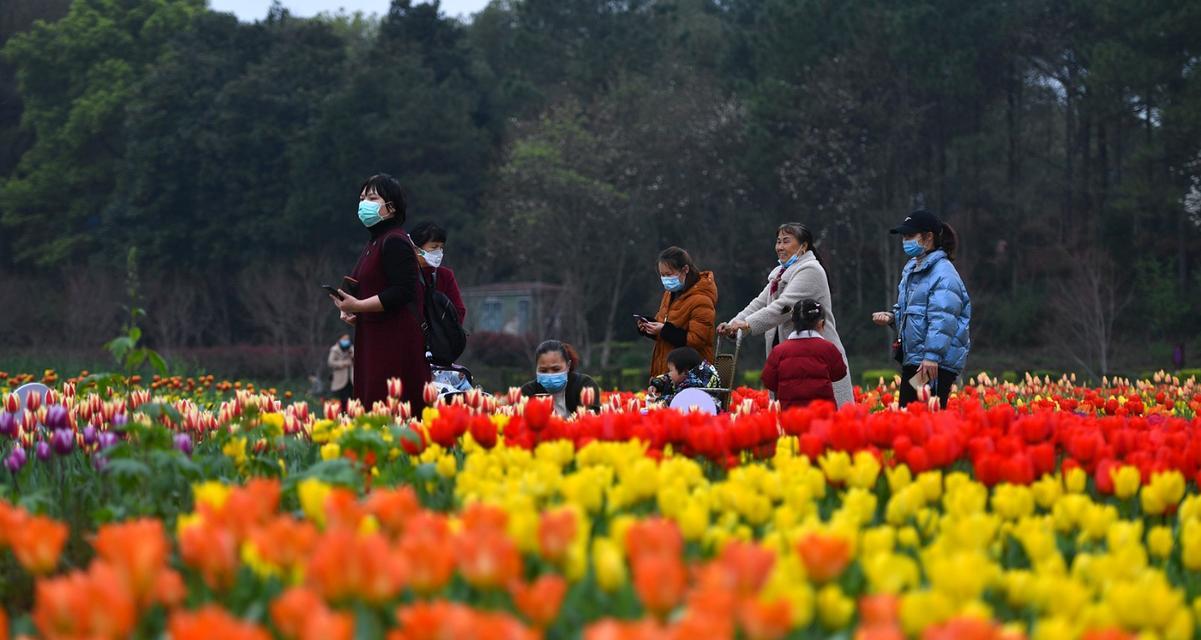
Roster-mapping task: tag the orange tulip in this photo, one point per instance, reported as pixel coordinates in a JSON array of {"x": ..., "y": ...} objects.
[
  {"x": 825, "y": 556},
  {"x": 654, "y": 536},
  {"x": 212, "y": 622},
  {"x": 880, "y": 609},
  {"x": 746, "y": 566},
  {"x": 37, "y": 542},
  {"x": 487, "y": 559},
  {"x": 540, "y": 600},
  {"x": 342, "y": 509},
  {"x": 556, "y": 531},
  {"x": 138, "y": 551},
  {"x": 11, "y": 519},
  {"x": 764, "y": 620},
  {"x": 963, "y": 629},
  {"x": 440, "y": 619},
  {"x": 393, "y": 508},
  {"x": 610, "y": 629},
  {"x": 290, "y": 611},
  {"x": 3, "y": 624},
  {"x": 301, "y": 614},
  {"x": 348, "y": 565},
  {"x": 94, "y": 604},
  {"x": 660, "y": 581},
  {"x": 246, "y": 507},
  {"x": 480, "y": 517},
  {"x": 285, "y": 542},
  {"x": 879, "y": 632},
  {"x": 212, "y": 550},
  {"x": 426, "y": 548}
]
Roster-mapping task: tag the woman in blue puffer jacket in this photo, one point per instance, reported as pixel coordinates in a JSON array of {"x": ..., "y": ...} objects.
[{"x": 933, "y": 311}]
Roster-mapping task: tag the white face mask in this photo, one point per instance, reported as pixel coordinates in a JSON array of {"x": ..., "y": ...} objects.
[{"x": 432, "y": 258}]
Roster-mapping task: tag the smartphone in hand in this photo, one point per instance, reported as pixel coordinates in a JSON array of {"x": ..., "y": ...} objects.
[{"x": 332, "y": 291}]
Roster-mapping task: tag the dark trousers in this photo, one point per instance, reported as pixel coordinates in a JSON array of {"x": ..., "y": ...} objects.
[
  {"x": 941, "y": 387},
  {"x": 343, "y": 394}
]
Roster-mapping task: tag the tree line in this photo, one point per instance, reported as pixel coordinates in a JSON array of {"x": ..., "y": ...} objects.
[{"x": 569, "y": 140}]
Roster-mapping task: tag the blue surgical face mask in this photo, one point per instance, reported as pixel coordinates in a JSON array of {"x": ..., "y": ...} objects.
[
  {"x": 369, "y": 213},
  {"x": 672, "y": 283},
  {"x": 913, "y": 248},
  {"x": 553, "y": 382},
  {"x": 345, "y": 344},
  {"x": 789, "y": 262}
]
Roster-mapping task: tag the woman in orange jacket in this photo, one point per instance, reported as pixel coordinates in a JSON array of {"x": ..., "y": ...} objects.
[{"x": 687, "y": 313}]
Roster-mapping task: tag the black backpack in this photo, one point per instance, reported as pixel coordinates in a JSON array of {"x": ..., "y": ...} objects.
[{"x": 445, "y": 338}]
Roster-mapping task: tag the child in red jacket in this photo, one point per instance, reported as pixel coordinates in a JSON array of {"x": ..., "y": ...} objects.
[{"x": 804, "y": 367}]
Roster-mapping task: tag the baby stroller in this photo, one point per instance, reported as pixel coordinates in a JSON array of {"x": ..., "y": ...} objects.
[
  {"x": 727, "y": 369},
  {"x": 451, "y": 380}
]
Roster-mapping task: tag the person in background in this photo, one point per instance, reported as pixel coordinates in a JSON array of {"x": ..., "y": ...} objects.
[
  {"x": 384, "y": 301},
  {"x": 800, "y": 275},
  {"x": 341, "y": 366},
  {"x": 557, "y": 376},
  {"x": 686, "y": 312},
  {"x": 803, "y": 368},
  {"x": 933, "y": 312},
  {"x": 430, "y": 241},
  {"x": 686, "y": 369}
]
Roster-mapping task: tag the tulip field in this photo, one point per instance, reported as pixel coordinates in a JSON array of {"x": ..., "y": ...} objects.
[{"x": 193, "y": 508}]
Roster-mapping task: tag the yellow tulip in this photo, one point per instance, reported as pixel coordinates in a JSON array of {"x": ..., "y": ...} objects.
[
  {"x": 1055, "y": 628},
  {"x": 313, "y": 493},
  {"x": 1047, "y": 491},
  {"x": 864, "y": 472},
  {"x": 931, "y": 484},
  {"x": 331, "y": 451},
  {"x": 210, "y": 492},
  {"x": 693, "y": 520},
  {"x": 1075, "y": 480},
  {"x": 1160, "y": 542},
  {"x": 1012, "y": 502},
  {"x": 890, "y": 573},
  {"x": 834, "y": 608},
  {"x": 1125, "y": 481},
  {"x": 836, "y": 465},
  {"x": 609, "y": 564},
  {"x": 923, "y": 609},
  {"x": 898, "y": 478}
]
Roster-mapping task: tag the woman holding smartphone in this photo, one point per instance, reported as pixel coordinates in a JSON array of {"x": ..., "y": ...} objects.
[
  {"x": 686, "y": 311},
  {"x": 384, "y": 303}
]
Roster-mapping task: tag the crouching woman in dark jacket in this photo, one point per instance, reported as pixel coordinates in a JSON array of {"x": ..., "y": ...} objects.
[
  {"x": 557, "y": 377},
  {"x": 804, "y": 367}
]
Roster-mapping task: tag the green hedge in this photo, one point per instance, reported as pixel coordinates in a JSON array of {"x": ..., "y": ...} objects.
[{"x": 871, "y": 377}]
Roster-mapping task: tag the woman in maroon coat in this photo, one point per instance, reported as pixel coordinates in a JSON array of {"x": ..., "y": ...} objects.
[
  {"x": 384, "y": 300},
  {"x": 430, "y": 240},
  {"x": 804, "y": 367}
]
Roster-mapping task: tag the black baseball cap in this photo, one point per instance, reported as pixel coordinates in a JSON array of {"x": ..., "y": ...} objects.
[{"x": 920, "y": 221}]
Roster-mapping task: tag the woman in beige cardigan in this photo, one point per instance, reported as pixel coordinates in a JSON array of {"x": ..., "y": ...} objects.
[{"x": 799, "y": 276}]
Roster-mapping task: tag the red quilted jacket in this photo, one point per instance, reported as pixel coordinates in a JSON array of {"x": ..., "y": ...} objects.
[{"x": 801, "y": 370}]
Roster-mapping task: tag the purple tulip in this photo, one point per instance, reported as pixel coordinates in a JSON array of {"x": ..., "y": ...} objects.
[
  {"x": 15, "y": 460},
  {"x": 63, "y": 441},
  {"x": 8, "y": 424},
  {"x": 183, "y": 442},
  {"x": 107, "y": 439},
  {"x": 89, "y": 435},
  {"x": 99, "y": 463},
  {"x": 42, "y": 450},
  {"x": 119, "y": 420},
  {"x": 56, "y": 417}
]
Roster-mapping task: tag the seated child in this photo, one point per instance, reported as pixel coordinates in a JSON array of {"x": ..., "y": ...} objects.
[
  {"x": 804, "y": 367},
  {"x": 686, "y": 369}
]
